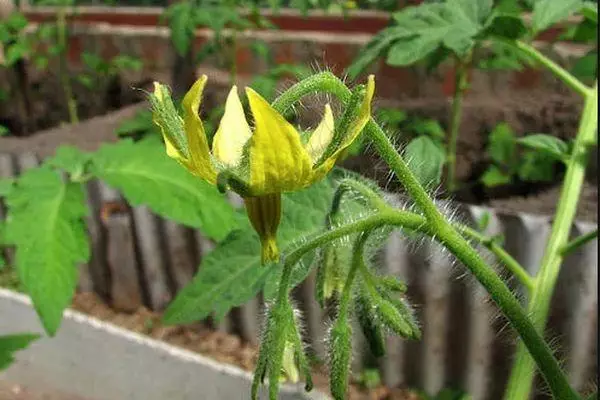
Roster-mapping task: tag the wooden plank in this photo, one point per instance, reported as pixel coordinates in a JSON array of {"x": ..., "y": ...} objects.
[
  {"x": 125, "y": 289},
  {"x": 151, "y": 258}
]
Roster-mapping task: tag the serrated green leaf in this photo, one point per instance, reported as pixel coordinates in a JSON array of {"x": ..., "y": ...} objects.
[
  {"x": 147, "y": 176},
  {"x": 537, "y": 167},
  {"x": 506, "y": 26},
  {"x": 232, "y": 273},
  {"x": 45, "y": 224},
  {"x": 426, "y": 160},
  {"x": 182, "y": 23},
  {"x": 546, "y": 143},
  {"x": 502, "y": 145},
  {"x": 69, "y": 159},
  {"x": 494, "y": 176},
  {"x": 548, "y": 12},
  {"x": 10, "y": 344},
  {"x": 375, "y": 48},
  {"x": 453, "y": 24}
]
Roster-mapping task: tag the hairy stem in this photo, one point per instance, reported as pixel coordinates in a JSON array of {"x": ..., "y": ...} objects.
[
  {"x": 509, "y": 262},
  {"x": 445, "y": 233},
  {"x": 521, "y": 379}
]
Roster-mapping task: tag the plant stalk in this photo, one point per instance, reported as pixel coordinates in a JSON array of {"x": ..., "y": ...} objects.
[
  {"x": 445, "y": 233},
  {"x": 460, "y": 85},
  {"x": 521, "y": 379},
  {"x": 559, "y": 71},
  {"x": 61, "y": 24}
]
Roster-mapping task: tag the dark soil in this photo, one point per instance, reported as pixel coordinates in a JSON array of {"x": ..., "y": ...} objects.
[{"x": 46, "y": 102}]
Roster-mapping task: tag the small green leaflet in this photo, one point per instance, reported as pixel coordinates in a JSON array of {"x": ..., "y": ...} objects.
[
  {"x": 45, "y": 224},
  {"x": 141, "y": 122},
  {"x": 453, "y": 24},
  {"x": 69, "y": 159},
  {"x": 375, "y": 48},
  {"x": 502, "y": 145},
  {"x": 182, "y": 23},
  {"x": 494, "y": 176},
  {"x": 232, "y": 274},
  {"x": 146, "y": 175},
  {"x": 549, "y": 12},
  {"x": 425, "y": 159},
  {"x": 10, "y": 344},
  {"x": 548, "y": 144}
]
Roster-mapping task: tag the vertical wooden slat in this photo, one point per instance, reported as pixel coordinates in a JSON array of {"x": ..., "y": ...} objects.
[
  {"x": 98, "y": 267},
  {"x": 180, "y": 258},
  {"x": 151, "y": 257},
  {"x": 7, "y": 170},
  {"x": 576, "y": 303},
  {"x": 126, "y": 293},
  {"x": 435, "y": 313},
  {"x": 480, "y": 338}
]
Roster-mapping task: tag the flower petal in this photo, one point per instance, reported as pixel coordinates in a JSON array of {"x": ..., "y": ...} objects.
[
  {"x": 199, "y": 154},
  {"x": 322, "y": 136},
  {"x": 355, "y": 128},
  {"x": 278, "y": 160},
  {"x": 233, "y": 132}
]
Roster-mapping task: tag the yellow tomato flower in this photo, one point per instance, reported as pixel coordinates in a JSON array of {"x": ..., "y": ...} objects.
[{"x": 265, "y": 161}]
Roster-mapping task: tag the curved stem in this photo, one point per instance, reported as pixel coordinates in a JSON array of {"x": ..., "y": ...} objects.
[
  {"x": 576, "y": 243},
  {"x": 521, "y": 379},
  {"x": 509, "y": 262},
  {"x": 445, "y": 233},
  {"x": 357, "y": 261},
  {"x": 559, "y": 71}
]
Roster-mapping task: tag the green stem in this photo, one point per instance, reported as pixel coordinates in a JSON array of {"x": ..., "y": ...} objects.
[
  {"x": 559, "y": 71},
  {"x": 509, "y": 262},
  {"x": 460, "y": 85},
  {"x": 61, "y": 23},
  {"x": 357, "y": 260},
  {"x": 444, "y": 232},
  {"x": 576, "y": 243},
  {"x": 520, "y": 382}
]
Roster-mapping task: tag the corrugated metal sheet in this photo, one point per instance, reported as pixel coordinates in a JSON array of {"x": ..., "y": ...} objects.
[{"x": 138, "y": 258}]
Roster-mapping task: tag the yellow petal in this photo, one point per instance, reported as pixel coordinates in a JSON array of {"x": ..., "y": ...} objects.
[
  {"x": 233, "y": 132},
  {"x": 199, "y": 154},
  {"x": 355, "y": 128},
  {"x": 322, "y": 136},
  {"x": 278, "y": 160}
]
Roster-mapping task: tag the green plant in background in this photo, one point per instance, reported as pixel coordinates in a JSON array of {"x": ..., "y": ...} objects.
[
  {"x": 482, "y": 34},
  {"x": 533, "y": 158},
  {"x": 55, "y": 35},
  {"x": 16, "y": 46}
]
